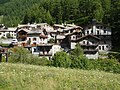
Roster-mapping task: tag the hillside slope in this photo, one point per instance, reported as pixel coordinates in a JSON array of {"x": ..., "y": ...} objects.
[{"x": 28, "y": 77}]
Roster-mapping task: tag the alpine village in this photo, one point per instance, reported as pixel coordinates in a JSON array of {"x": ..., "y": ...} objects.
[{"x": 59, "y": 44}]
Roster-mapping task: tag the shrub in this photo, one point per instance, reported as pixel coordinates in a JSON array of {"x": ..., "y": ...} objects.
[
  {"x": 35, "y": 60},
  {"x": 19, "y": 55},
  {"x": 109, "y": 65},
  {"x": 22, "y": 55},
  {"x": 61, "y": 59}
]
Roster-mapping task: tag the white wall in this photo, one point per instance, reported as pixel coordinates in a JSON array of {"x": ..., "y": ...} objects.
[
  {"x": 55, "y": 48},
  {"x": 73, "y": 45},
  {"x": 92, "y": 56},
  {"x": 97, "y": 28},
  {"x": 4, "y": 34}
]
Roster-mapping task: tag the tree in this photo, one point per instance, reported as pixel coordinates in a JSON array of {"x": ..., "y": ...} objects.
[
  {"x": 61, "y": 59},
  {"x": 98, "y": 12},
  {"x": 48, "y": 18},
  {"x": 19, "y": 54},
  {"x": 78, "y": 58}
]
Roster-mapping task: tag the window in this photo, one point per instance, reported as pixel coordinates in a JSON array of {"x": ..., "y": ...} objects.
[
  {"x": 87, "y": 32},
  {"x": 98, "y": 33},
  {"x": 35, "y": 50},
  {"x": 91, "y": 31},
  {"x": 104, "y": 31},
  {"x": 34, "y": 39},
  {"x": 73, "y": 37},
  {"x": 83, "y": 42},
  {"x": 29, "y": 39},
  {"x": 99, "y": 47},
  {"x": 104, "y": 27},
  {"x": 102, "y": 47}
]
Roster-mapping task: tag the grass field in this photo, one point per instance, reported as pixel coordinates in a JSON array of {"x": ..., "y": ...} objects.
[{"x": 29, "y": 77}]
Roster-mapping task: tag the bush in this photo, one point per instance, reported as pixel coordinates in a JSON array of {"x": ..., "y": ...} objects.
[
  {"x": 19, "y": 55},
  {"x": 78, "y": 58},
  {"x": 35, "y": 60},
  {"x": 22, "y": 55},
  {"x": 109, "y": 65},
  {"x": 61, "y": 59}
]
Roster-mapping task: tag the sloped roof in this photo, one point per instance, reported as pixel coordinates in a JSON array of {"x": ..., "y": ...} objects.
[
  {"x": 43, "y": 36},
  {"x": 35, "y": 31},
  {"x": 89, "y": 36}
]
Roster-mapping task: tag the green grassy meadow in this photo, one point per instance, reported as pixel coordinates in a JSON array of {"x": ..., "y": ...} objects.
[{"x": 30, "y": 77}]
